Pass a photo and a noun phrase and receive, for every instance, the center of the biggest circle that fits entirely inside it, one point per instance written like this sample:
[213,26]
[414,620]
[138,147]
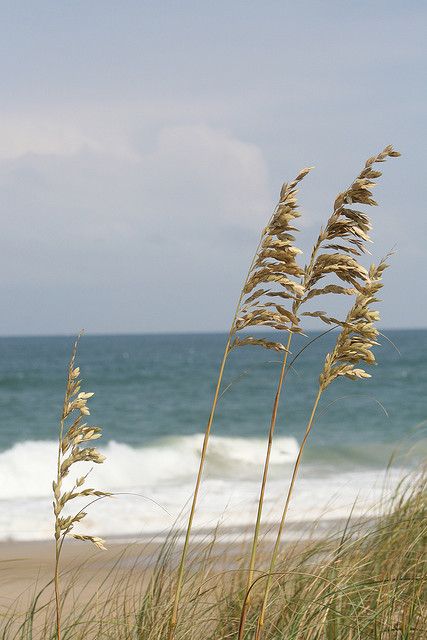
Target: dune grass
[346,233]
[73,433]
[355,584]
[362,582]
[273,293]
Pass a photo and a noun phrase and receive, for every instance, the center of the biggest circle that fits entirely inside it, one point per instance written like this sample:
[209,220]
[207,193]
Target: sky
[143,146]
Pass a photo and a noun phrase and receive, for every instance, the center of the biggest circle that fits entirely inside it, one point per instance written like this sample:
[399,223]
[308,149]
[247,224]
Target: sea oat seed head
[358,335]
[73,433]
[274,265]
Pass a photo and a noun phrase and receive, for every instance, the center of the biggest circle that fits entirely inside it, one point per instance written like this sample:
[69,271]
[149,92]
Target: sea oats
[73,432]
[358,334]
[334,255]
[272,274]
[274,265]
[274,291]
[354,345]
[343,240]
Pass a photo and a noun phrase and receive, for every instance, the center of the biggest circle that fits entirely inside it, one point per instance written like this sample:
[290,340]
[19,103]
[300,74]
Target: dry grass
[275,280]
[335,253]
[73,433]
[359,583]
[354,344]
[355,584]
[273,262]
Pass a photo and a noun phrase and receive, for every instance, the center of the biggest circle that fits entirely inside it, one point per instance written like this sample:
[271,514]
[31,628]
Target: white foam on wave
[27,469]
[161,477]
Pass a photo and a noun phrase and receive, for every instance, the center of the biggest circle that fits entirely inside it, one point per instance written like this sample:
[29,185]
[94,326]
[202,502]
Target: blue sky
[142,146]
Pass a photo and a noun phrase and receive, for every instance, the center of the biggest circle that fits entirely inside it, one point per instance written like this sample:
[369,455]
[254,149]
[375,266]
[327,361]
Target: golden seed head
[73,433]
[274,273]
[346,234]
[358,334]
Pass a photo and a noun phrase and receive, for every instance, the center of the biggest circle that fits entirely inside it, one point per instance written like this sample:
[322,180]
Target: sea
[153,395]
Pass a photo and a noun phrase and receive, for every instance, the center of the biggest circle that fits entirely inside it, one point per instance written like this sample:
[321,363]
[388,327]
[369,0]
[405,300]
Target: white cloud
[107,205]
[21,135]
[208,176]
[110,128]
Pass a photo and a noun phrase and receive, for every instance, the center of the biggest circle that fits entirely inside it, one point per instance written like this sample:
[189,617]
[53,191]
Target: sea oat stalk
[273,265]
[73,432]
[277,247]
[345,234]
[354,345]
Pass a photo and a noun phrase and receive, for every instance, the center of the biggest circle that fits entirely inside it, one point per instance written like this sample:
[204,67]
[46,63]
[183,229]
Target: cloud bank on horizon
[142,149]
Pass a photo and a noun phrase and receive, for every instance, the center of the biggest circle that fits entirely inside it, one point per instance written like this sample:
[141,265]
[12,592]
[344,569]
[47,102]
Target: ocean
[152,397]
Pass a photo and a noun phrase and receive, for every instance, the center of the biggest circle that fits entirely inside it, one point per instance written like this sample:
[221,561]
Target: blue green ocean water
[153,395]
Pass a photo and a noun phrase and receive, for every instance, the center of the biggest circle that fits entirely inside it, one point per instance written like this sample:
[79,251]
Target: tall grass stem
[263,486]
[184,552]
[276,548]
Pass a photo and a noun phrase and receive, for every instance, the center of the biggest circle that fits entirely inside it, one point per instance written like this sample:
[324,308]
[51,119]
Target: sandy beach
[27,567]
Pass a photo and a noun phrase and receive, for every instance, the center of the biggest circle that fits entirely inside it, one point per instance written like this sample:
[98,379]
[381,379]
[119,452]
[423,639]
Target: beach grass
[364,581]
[357,582]
[275,290]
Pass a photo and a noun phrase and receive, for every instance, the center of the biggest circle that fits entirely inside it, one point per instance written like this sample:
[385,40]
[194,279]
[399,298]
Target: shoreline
[26,565]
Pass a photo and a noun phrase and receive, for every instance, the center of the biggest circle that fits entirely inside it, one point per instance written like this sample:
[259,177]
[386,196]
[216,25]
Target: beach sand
[27,567]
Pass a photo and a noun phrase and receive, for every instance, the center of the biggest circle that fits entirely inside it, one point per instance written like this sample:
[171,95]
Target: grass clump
[275,289]
[366,582]
[335,253]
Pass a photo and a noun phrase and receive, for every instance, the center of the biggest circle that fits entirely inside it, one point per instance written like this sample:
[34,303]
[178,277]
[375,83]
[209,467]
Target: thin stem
[58,545]
[250,582]
[254,547]
[57,597]
[284,514]
[58,542]
[184,553]
[195,495]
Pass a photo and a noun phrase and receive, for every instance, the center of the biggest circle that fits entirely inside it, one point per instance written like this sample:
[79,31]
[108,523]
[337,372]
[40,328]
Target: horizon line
[164,333]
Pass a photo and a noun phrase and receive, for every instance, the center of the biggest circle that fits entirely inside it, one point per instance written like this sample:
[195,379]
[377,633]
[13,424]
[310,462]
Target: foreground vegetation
[360,583]
[364,582]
